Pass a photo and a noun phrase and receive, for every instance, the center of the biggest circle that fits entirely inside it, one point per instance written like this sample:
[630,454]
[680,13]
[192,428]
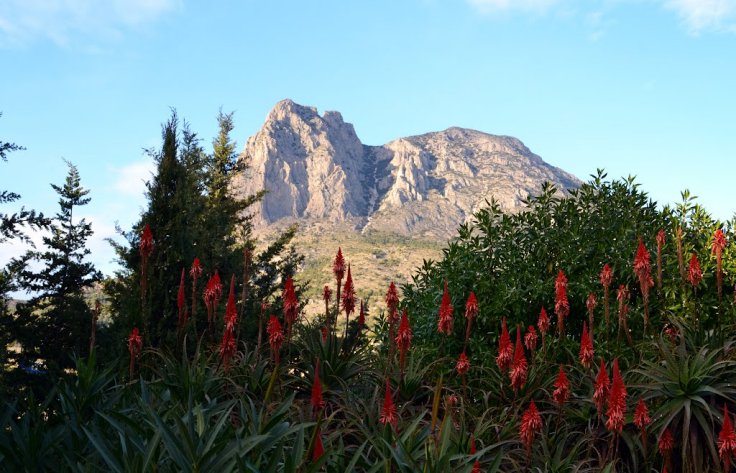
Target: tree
[54,324]
[510,261]
[192,212]
[175,204]
[11,227]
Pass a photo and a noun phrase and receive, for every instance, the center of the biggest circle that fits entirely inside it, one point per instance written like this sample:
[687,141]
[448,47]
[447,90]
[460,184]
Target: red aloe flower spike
[518,368]
[643,271]
[228,347]
[463,364]
[324,333]
[476,465]
[602,386]
[403,339]
[195,272]
[135,345]
[338,269]
[275,337]
[719,244]
[642,420]
[562,388]
[616,402]
[562,305]
[392,300]
[209,301]
[317,401]
[622,296]
[326,296]
[471,307]
[641,415]
[642,262]
[212,294]
[660,245]
[543,322]
[319,449]
[586,348]
[471,312]
[231,314]
[388,413]
[505,349]
[291,307]
[606,281]
[671,332]
[590,303]
[361,315]
[726,440]
[348,296]
[606,275]
[694,273]
[666,444]
[530,339]
[217,287]
[146,243]
[444,324]
[181,302]
[348,300]
[531,424]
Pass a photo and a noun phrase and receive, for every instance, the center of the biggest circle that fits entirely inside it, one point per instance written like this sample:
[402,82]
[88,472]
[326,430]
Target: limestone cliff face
[311,165]
[315,167]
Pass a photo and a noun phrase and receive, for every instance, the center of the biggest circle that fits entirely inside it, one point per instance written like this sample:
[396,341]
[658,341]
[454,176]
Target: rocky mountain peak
[315,167]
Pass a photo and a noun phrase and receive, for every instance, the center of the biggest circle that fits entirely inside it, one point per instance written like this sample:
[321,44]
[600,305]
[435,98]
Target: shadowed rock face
[315,168]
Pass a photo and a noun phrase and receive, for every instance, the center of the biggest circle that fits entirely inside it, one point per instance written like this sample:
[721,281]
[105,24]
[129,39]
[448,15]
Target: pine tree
[54,325]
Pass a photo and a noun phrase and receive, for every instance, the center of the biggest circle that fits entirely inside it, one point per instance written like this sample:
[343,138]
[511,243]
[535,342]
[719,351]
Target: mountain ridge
[315,168]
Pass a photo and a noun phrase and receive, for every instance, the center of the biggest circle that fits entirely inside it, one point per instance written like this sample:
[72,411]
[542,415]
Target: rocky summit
[315,168]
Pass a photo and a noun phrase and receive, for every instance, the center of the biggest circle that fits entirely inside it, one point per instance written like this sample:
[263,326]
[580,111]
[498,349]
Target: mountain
[316,169]
[389,207]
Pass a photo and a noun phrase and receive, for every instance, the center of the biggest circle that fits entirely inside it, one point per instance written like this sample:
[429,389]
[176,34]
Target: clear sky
[642,87]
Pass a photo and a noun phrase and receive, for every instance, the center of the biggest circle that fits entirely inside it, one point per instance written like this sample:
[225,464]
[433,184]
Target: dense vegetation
[592,332]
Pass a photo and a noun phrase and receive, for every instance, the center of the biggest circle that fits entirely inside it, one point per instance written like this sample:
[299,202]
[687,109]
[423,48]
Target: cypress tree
[175,204]
[192,212]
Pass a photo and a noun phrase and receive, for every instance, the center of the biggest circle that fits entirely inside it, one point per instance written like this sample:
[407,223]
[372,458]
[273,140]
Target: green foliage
[690,384]
[193,213]
[186,410]
[11,227]
[54,324]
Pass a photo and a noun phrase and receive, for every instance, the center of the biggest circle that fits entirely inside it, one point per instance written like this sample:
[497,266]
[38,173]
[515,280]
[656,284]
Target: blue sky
[642,87]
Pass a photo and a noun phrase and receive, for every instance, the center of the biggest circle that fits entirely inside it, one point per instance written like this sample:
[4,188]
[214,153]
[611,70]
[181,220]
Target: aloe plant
[689,385]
